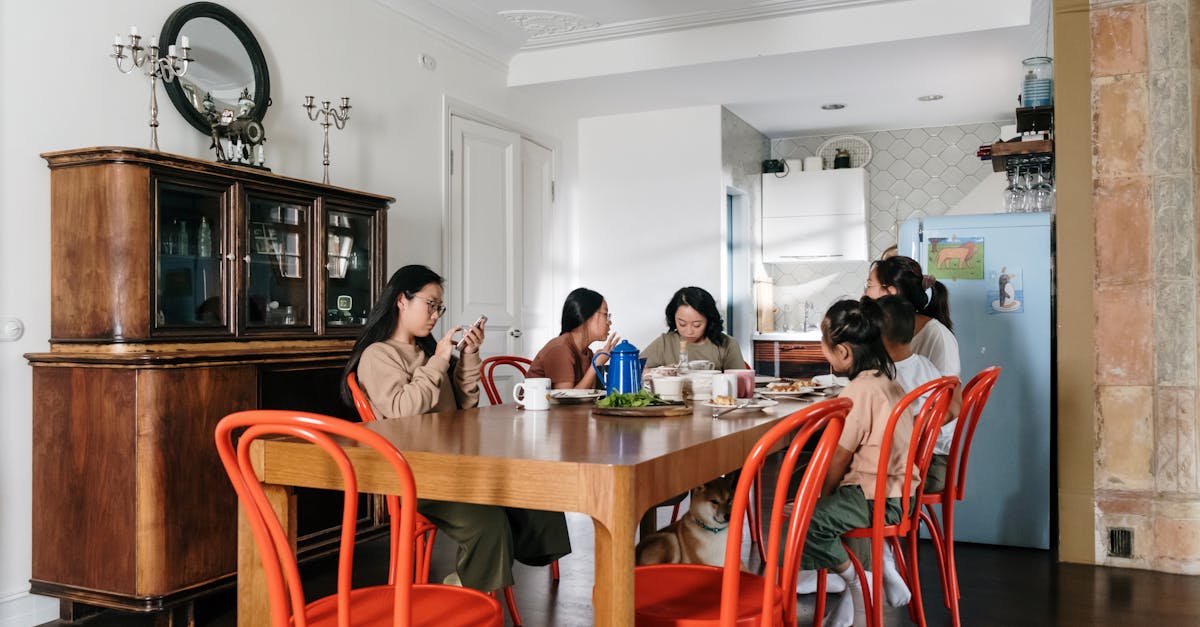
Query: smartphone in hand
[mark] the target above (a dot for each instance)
(463, 342)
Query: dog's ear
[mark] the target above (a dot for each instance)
(732, 478)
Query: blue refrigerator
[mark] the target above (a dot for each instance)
(997, 268)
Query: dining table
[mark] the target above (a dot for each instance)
(566, 459)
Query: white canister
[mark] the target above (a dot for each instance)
(701, 385)
(812, 164)
(725, 385)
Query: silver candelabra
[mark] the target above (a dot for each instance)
(328, 116)
(167, 68)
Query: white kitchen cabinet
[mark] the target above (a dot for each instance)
(815, 216)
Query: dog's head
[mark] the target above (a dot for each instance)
(712, 502)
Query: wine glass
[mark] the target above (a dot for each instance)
(1013, 194)
(1042, 193)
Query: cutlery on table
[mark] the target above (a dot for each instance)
(721, 411)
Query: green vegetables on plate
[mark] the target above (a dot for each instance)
(641, 398)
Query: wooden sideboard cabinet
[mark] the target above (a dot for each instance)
(785, 358)
(183, 290)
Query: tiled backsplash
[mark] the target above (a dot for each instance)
(913, 172)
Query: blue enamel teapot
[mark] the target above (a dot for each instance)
(624, 369)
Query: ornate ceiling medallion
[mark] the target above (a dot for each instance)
(546, 23)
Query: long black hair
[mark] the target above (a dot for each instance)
(699, 299)
(904, 274)
(406, 281)
(858, 323)
(581, 304)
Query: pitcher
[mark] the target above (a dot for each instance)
(624, 369)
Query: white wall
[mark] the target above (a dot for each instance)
(650, 209)
(59, 90)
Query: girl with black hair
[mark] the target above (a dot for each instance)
(851, 340)
(694, 320)
(933, 334)
(566, 360)
(405, 372)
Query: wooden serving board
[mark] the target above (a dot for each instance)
(652, 411)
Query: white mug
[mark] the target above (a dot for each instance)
(532, 394)
(725, 385)
(701, 384)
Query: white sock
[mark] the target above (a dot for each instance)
(452, 579)
(843, 608)
(806, 582)
(895, 592)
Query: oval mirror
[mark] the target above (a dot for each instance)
(229, 67)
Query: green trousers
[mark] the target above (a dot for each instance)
(834, 515)
(490, 537)
(935, 480)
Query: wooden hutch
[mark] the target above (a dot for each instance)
(182, 290)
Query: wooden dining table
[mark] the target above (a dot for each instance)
(566, 459)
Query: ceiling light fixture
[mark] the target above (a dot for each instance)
(930, 97)
(833, 106)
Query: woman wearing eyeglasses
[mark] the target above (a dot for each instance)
(405, 371)
(566, 360)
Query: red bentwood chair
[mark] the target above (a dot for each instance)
(401, 604)
(975, 396)
(488, 368)
(696, 594)
(367, 414)
(926, 423)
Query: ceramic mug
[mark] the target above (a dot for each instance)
(533, 394)
(669, 388)
(725, 385)
(701, 385)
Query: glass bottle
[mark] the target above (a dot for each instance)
(183, 238)
(204, 239)
(682, 367)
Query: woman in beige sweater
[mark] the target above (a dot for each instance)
(404, 372)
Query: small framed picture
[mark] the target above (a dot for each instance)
(263, 238)
(345, 303)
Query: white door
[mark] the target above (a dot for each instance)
(500, 207)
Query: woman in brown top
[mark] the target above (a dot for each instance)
(404, 372)
(566, 360)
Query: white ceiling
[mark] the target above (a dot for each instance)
(771, 62)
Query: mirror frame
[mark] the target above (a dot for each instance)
(262, 81)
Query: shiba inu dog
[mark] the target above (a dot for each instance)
(698, 537)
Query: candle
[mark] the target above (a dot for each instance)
(133, 31)
(171, 50)
(183, 41)
(117, 40)
(154, 41)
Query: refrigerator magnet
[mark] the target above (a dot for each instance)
(1005, 294)
(956, 257)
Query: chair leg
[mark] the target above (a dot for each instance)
(819, 608)
(554, 570)
(674, 513)
(511, 602)
(929, 517)
(916, 606)
(754, 519)
(952, 591)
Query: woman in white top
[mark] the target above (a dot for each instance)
(933, 336)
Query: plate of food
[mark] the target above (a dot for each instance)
(742, 404)
(787, 388)
(575, 396)
(762, 379)
(641, 404)
(823, 381)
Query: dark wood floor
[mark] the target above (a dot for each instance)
(1000, 586)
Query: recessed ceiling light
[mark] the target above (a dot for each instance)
(833, 106)
(930, 97)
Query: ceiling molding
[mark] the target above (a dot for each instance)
(456, 30)
(548, 23)
(633, 28)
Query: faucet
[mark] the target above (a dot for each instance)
(808, 309)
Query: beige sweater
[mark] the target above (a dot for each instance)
(664, 351)
(401, 380)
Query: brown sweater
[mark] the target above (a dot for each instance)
(561, 362)
(401, 380)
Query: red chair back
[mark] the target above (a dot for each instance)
(927, 421)
(279, 562)
(829, 415)
(365, 413)
(975, 397)
(488, 368)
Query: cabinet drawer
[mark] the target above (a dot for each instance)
(789, 359)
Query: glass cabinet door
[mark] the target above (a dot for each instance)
(348, 272)
(278, 259)
(189, 283)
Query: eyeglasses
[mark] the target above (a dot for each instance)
(432, 305)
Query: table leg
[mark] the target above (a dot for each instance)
(614, 570)
(253, 606)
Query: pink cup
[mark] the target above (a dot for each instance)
(745, 378)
